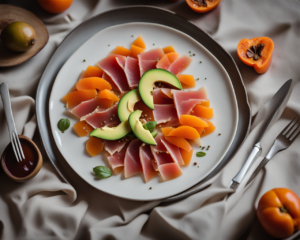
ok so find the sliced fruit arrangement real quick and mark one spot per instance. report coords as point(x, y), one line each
point(131, 105)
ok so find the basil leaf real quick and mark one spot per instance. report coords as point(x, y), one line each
point(150, 125)
point(131, 135)
point(102, 172)
point(154, 134)
point(200, 154)
point(63, 124)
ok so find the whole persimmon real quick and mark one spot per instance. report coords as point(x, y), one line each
point(202, 6)
point(278, 212)
point(55, 6)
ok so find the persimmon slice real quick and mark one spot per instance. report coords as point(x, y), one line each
point(186, 132)
point(202, 6)
point(262, 64)
point(94, 146)
point(139, 42)
point(186, 156)
point(135, 50)
point(92, 71)
point(168, 49)
point(202, 111)
point(167, 130)
point(92, 83)
point(187, 80)
point(72, 99)
point(208, 130)
point(82, 128)
point(172, 56)
point(108, 94)
point(179, 142)
point(121, 51)
point(192, 121)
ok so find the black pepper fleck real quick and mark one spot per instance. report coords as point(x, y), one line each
point(195, 163)
point(150, 188)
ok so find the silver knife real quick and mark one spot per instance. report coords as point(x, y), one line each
point(270, 111)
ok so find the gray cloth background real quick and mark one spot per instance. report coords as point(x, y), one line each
point(46, 208)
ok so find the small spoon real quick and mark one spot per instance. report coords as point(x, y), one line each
point(8, 159)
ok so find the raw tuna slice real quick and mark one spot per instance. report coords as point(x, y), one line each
point(169, 171)
point(121, 61)
point(164, 63)
point(167, 92)
point(132, 163)
point(180, 64)
point(112, 83)
point(146, 158)
point(159, 147)
point(85, 107)
point(166, 113)
point(99, 119)
point(173, 151)
point(160, 158)
point(160, 98)
point(116, 161)
point(113, 146)
point(132, 72)
point(111, 67)
point(153, 54)
point(186, 100)
point(146, 65)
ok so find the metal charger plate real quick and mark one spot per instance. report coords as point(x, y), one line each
point(126, 15)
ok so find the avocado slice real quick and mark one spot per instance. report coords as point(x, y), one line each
point(148, 79)
point(138, 129)
point(114, 133)
point(126, 104)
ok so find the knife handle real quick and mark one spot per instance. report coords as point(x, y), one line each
point(250, 160)
point(259, 167)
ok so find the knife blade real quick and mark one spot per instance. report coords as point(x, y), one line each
point(270, 111)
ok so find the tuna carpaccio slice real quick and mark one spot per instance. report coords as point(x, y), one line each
point(132, 72)
point(132, 163)
point(116, 160)
point(114, 146)
point(166, 114)
point(159, 97)
point(146, 158)
point(180, 64)
point(149, 59)
point(112, 68)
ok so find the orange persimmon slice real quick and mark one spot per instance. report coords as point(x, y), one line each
point(136, 51)
point(167, 130)
point(263, 47)
point(186, 132)
point(199, 130)
point(172, 56)
point(94, 146)
point(168, 49)
point(93, 83)
point(139, 42)
point(72, 99)
point(202, 111)
point(187, 81)
point(179, 142)
point(108, 94)
point(82, 128)
point(202, 6)
point(121, 51)
point(92, 71)
point(192, 121)
point(186, 156)
point(205, 103)
point(209, 129)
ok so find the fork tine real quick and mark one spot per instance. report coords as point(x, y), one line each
point(287, 126)
point(291, 128)
point(17, 147)
point(14, 147)
point(20, 147)
point(292, 139)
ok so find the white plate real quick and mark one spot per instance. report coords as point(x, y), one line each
point(220, 92)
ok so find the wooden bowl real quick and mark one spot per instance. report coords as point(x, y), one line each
point(36, 169)
point(9, 14)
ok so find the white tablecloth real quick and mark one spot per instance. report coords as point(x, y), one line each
point(46, 208)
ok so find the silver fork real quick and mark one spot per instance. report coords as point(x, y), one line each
point(282, 142)
point(15, 142)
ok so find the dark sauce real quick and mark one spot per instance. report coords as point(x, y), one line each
point(27, 165)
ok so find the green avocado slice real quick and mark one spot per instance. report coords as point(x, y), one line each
point(126, 104)
point(148, 79)
point(114, 133)
point(138, 129)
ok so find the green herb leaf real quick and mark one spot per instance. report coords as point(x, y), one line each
point(131, 134)
point(102, 172)
point(200, 154)
point(63, 124)
point(154, 134)
point(150, 125)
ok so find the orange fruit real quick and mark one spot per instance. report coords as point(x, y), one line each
point(55, 6)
